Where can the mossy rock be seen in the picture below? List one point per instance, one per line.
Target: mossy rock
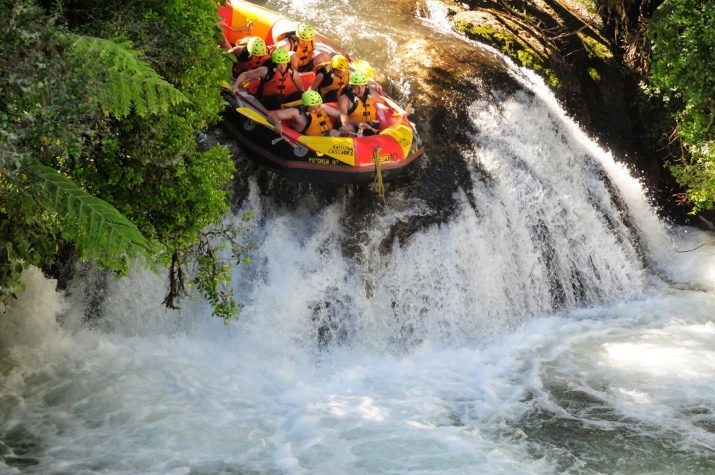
(508, 36)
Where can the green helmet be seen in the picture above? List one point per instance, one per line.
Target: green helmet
(358, 78)
(305, 31)
(256, 46)
(340, 62)
(280, 56)
(311, 98)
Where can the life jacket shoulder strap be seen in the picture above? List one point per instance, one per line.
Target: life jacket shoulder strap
(348, 91)
(308, 118)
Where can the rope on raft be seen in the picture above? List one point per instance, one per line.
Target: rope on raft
(379, 185)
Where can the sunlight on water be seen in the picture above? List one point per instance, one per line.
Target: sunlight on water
(658, 360)
(677, 350)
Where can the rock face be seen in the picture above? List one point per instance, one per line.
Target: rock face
(594, 55)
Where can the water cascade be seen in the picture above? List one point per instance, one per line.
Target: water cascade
(545, 324)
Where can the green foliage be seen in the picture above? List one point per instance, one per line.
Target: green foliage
(595, 48)
(45, 115)
(27, 235)
(95, 227)
(214, 276)
(495, 32)
(122, 80)
(113, 101)
(683, 55)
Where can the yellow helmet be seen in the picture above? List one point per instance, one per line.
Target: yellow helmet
(256, 46)
(305, 31)
(280, 56)
(340, 62)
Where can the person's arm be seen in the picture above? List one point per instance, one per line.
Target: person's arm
(315, 85)
(284, 44)
(249, 75)
(375, 86)
(294, 61)
(335, 115)
(376, 97)
(291, 114)
(332, 112)
(298, 80)
(238, 49)
(344, 105)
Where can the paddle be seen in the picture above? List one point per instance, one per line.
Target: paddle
(396, 107)
(295, 103)
(255, 116)
(346, 152)
(259, 118)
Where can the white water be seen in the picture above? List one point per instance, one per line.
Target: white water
(453, 360)
(450, 354)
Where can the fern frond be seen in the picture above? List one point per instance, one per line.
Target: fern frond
(97, 229)
(124, 80)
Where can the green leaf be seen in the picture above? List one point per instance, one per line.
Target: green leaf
(97, 229)
(127, 81)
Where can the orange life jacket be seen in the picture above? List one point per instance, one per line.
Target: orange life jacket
(304, 53)
(246, 61)
(276, 83)
(318, 122)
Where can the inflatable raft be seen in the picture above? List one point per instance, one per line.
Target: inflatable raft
(352, 159)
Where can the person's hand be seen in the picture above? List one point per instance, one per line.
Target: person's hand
(278, 128)
(239, 87)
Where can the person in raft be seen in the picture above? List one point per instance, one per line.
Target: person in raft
(311, 118)
(358, 106)
(280, 83)
(331, 78)
(251, 53)
(300, 43)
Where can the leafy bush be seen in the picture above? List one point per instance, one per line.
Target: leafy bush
(683, 55)
(106, 103)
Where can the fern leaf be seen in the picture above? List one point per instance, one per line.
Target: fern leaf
(97, 229)
(151, 95)
(125, 81)
(144, 107)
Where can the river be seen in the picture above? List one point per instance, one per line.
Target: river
(516, 307)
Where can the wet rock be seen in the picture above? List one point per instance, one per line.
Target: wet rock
(598, 82)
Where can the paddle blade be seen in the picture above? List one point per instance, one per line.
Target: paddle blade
(255, 116)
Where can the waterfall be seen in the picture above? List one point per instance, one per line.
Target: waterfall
(544, 324)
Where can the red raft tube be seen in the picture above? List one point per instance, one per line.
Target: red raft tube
(340, 160)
